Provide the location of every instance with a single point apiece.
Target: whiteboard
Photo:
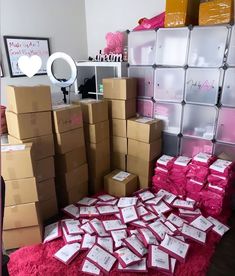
(29, 46)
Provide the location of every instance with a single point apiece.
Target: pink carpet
(38, 260)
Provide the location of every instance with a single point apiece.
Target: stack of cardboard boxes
(70, 159)
(121, 96)
(96, 125)
(22, 216)
(144, 146)
(29, 120)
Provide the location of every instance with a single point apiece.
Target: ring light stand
(62, 83)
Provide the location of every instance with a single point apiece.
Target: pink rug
(38, 259)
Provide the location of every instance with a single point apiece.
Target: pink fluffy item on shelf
(114, 43)
(152, 23)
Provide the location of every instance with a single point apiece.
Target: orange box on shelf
(216, 12)
(181, 13)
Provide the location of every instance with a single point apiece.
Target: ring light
(71, 63)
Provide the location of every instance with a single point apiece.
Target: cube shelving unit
(100, 70)
(186, 78)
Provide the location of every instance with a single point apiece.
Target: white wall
(63, 21)
(103, 16)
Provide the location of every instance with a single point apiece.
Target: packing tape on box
(35, 106)
(16, 185)
(17, 199)
(8, 155)
(11, 173)
(33, 119)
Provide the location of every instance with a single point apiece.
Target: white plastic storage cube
(192, 146)
(228, 93)
(225, 126)
(171, 114)
(199, 121)
(141, 47)
(169, 84)
(145, 78)
(231, 52)
(223, 148)
(172, 46)
(145, 107)
(202, 85)
(207, 46)
(171, 144)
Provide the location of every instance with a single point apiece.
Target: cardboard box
(48, 208)
(119, 144)
(120, 88)
(21, 191)
(96, 184)
(26, 99)
(45, 169)
(19, 237)
(27, 190)
(216, 12)
(96, 133)
(28, 125)
(98, 157)
(72, 196)
(144, 129)
(143, 169)
(120, 109)
(22, 215)
(119, 128)
(118, 161)
(17, 161)
(143, 150)
(70, 160)
(43, 145)
(94, 111)
(120, 188)
(181, 13)
(72, 179)
(66, 117)
(46, 189)
(68, 141)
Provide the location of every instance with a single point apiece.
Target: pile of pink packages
(218, 190)
(204, 179)
(148, 231)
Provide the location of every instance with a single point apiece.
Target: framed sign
(17, 46)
